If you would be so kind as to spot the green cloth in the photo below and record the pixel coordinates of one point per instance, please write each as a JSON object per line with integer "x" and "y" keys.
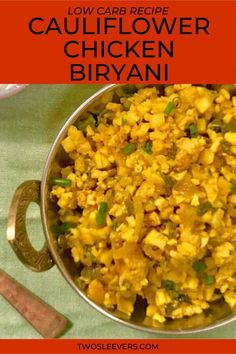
{"x": 29, "y": 122}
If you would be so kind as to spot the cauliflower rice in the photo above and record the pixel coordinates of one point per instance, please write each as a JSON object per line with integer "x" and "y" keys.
{"x": 148, "y": 203}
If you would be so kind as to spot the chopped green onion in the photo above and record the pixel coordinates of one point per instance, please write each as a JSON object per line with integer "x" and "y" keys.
{"x": 81, "y": 284}
{"x": 203, "y": 208}
{"x": 169, "y": 308}
{"x": 169, "y": 182}
{"x": 177, "y": 101}
{"x": 233, "y": 187}
{"x": 199, "y": 266}
{"x": 123, "y": 121}
{"x": 114, "y": 226}
{"x": 62, "y": 182}
{"x": 172, "y": 152}
{"x": 225, "y": 146}
{"x": 169, "y": 108}
{"x": 230, "y": 127}
{"x": 82, "y": 124}
{"x": 168, "y": 284}
{"x": 130, "y": 207}
{"x": 92, "y": 272}
{"x": 183, "y": 298}
{"x": 147, "y": 147}
{"x": 216, "y": 125}
{"x": 129, "y": 148}
{"x": 126, "y": 104}
{"x": 101, "y": 214}
{"x": 208, "y": 279}
{"x": 193, "y": 130}
{"x": 62, "y": 228}
{"x": 219, "y": 126}
{"x": 124, "y": 91}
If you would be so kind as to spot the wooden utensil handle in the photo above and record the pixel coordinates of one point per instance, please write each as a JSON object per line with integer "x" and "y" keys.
{"x": 46, "y": 320}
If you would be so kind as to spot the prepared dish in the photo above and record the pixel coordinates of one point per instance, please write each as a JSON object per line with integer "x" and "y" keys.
{"x": 147, "y": 203}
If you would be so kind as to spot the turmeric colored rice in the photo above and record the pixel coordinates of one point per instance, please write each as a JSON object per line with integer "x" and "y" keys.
{"x": 149, "y": 200}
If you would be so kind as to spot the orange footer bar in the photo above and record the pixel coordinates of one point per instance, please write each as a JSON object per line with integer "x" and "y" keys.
{"x": 130, "y": 346}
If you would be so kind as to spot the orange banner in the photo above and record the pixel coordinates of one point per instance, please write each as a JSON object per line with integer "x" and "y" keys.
{"x": 108, "y": 346}
{"x": 117, "y": 41}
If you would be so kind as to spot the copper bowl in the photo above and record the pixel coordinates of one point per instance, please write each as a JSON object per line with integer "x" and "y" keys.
{"x": 36, "y": 191}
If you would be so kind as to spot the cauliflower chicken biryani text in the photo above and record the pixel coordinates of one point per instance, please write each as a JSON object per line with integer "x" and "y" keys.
{"x": 148, "y": 203}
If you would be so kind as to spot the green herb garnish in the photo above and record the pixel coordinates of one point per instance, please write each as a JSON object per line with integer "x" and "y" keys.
{"x": 233, "y": 187}
{"x": 61, "y": 229}
{"x": 83, "y": 124}
{"x": 172, "y": 152}
{"x": 123, "y": 121}
{"x": 125, "y": 91}
{"x": 81, "y": 284}
{"x": 130, "y": 207}
{"x": 199, "y": 266}
{"x": 101, "y": 214}
{"x": 208, "y": 279}
{"x": 62, "y": 182}
{"x": 183, "y": 298}
{"x": 219, "y": 126}
{"x": 193, "y": 130}
{"x": 216, "y": 125}
{"x": 129, "y": 148}
{"x": 225, "y": 146}
{"x": 91, "y": 272}
{"x": 147, "y": 147}
{"x": 230, "y": 127}
{"x": 168, "y": 284}
{"x": 126, "y": 104}
{"x": 169, "y": 308}
{"x": 169, "y": 182}
{"x": 169, "y": 108}
{"x": 115, "y": 225}
{"x": 203, "y": 208}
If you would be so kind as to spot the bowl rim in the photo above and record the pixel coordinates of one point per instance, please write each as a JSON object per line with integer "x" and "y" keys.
{"x": 60, "y": 264}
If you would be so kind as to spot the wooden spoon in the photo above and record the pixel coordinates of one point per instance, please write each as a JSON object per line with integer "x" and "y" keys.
{"x": 45, "y": 319}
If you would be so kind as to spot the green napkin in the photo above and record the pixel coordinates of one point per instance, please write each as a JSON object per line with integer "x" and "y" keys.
{"x": 29, "y": 122}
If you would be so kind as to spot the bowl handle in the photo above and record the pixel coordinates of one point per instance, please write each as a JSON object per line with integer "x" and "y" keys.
{"x": 17, "y": 236}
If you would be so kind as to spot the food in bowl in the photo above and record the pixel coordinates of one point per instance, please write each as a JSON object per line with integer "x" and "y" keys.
{"x": 147, "y": 202}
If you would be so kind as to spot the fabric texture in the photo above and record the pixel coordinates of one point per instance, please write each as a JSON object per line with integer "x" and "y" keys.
{"x": 29, "y": 122}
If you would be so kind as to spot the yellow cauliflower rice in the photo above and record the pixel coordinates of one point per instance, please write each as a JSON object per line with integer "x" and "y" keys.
{"x": 148, "y": 203}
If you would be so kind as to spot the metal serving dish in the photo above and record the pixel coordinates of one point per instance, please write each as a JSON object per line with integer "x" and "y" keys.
{"x": 36, "y": 191}
{"x": 8, "y": 90}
